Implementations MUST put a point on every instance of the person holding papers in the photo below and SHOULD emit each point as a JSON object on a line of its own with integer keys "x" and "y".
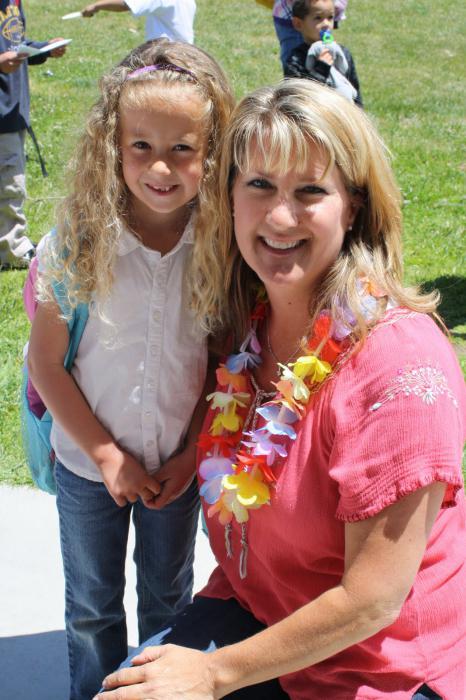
{"x": 16, "y": 250}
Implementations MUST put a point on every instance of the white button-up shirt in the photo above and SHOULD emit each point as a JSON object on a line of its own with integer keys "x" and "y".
{"x": 142, "y": 372}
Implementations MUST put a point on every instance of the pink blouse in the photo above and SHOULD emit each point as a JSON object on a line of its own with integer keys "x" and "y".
{"x": 390, "y": 422}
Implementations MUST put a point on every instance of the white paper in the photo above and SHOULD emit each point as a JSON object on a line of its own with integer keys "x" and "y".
{"x": 72, "y": 15}
{"x": 33, "y": 51}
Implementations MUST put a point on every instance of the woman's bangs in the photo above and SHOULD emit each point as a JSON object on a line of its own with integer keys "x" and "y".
{"x": 278, "y": 144}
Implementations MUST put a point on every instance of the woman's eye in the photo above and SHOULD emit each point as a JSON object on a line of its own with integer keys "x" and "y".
{"x": 259, "y": 183}
{"x": 312, "y": 189}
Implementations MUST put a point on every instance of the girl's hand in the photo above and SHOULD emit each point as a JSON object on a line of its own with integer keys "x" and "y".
{"x": 326, "y": 57}
{"x": 166, "y": 672}
{"x": 175, "y": 477}
{"x": 126, "y": 480}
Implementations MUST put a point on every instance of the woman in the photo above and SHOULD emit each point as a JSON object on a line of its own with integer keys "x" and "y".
{"x": 334, "y": 504}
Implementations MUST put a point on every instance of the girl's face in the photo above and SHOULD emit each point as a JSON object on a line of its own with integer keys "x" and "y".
{"x": 290, "y": 227}
{"x": 320, "y": 16}
{"x": 162, "y": 146}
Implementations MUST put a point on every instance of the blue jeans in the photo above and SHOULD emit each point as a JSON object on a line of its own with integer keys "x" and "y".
{"x": 425, "y": 693}
{"x": 289, "y": 39}
{"x": 94, "y": 534}
{"x": 210, "y": 623}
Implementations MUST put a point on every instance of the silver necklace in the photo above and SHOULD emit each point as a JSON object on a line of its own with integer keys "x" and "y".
{"x": 271, "y": 350}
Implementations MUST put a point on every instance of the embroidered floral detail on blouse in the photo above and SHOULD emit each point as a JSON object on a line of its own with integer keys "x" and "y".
{"x": 428, "y": 383}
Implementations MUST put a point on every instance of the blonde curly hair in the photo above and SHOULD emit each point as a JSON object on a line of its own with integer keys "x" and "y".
{"x": 83, "y": 250}
{"x": 282, "y": 121}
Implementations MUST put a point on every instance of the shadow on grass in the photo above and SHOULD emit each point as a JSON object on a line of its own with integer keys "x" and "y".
{"x": 34, "y": 666}
{"x": 453, "y": 303}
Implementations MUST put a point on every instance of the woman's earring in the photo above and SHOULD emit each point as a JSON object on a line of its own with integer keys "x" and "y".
{"x": 350, "y": 228}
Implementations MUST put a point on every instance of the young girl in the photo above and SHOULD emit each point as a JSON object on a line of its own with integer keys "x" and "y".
{"x": 121, "y": 419}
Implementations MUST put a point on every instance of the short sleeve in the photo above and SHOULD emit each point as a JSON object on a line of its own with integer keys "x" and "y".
{"x": 397, "y": 412}
{"x": 145, "y": 7}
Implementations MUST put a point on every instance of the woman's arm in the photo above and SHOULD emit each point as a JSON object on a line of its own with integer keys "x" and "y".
{"x": 383, "y": 555}
{"x": 124, "y": 477}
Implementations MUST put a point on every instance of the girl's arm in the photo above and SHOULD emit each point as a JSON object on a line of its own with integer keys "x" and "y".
{"x": 123, "y": 476}
{"x": 383, "y": 554}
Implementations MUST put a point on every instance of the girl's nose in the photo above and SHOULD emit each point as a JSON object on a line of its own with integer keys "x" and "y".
{"x": 160, "y": 166}
{"x": 282, "y": 216}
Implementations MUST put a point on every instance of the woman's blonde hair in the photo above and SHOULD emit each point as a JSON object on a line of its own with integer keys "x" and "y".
{"x": 282, "y": 121}
{"x": 89, "y": 218}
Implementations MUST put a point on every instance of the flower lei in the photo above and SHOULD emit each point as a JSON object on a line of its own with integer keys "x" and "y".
{"x": 238, "y": 471}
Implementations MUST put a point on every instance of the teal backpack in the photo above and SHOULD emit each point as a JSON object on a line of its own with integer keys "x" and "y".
{"x": 36, "y": 425}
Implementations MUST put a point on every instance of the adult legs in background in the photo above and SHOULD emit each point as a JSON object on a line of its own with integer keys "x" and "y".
{"x": 164, "y": 558}
{"x": 207, "y": 624}
{"x": 289, "y": 39}
{"x": 94, "y": 535}
{"x": 14, "y": 244}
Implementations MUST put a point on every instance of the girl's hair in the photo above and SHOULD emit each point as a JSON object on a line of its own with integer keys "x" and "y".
{"x": 282, "y": 122}
{"x": 89, "y": 218}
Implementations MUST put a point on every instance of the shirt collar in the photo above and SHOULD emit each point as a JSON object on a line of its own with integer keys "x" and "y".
{"x": 128, "y": 242}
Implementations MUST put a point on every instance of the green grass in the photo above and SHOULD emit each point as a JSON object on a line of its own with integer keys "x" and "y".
{"x": 411, "y": 66}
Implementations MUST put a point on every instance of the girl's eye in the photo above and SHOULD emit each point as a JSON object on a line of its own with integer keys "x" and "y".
{"x": 181, "y": 147}
{"x": 259, "y": 183}
{"x": 141, "y": 145}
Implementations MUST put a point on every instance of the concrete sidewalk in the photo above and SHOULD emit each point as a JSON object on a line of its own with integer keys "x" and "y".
{"x": 33, "y": 659}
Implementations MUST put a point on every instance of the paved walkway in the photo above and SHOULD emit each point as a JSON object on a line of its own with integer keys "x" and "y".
{"x": 33, "y": 663}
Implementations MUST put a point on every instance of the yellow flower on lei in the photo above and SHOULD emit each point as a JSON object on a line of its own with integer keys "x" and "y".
{"x": 285, "y": 388}
{"x": 300, "y": 391}
{"x": 310, "y": 366}
{"x": 226, "y": 420}
{"x": 250, "y": 489}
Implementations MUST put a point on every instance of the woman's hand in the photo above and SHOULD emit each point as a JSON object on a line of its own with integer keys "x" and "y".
{"x": 166, "y": 672}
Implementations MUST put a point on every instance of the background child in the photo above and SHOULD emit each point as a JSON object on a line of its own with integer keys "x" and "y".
{"x": 16, "y": 250}
{"x": 310, "y": 17}
{"x": 123, "y": 243}
{"x": 173, "y": 19}
{"x": 288, "y": 36}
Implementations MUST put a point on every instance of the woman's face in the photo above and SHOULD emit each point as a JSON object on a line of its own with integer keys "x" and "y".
{"x": 290, "y": 227}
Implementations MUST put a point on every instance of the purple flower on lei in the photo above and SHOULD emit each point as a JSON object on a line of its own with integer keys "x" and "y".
{"x": 261, "y": 444}
{"x": 212, "y": 470}
{"x": 241, "y": 361}
{"x": 278, "y": 417}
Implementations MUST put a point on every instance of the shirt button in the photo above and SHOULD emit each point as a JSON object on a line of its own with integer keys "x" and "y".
{"x": 153, "y": 350}
{"x": 150, "y": 443}
{"x": 156, "y": 315}
{"x": 151, "y": 385}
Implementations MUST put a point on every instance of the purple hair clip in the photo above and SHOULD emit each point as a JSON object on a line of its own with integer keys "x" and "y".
{"x": 160, "y": 66}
